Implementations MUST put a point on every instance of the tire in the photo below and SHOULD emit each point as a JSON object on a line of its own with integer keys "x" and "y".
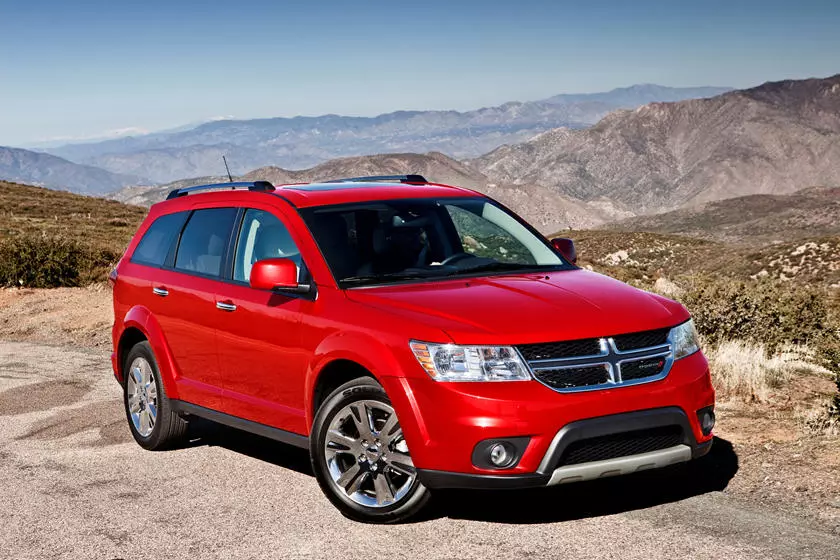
{"x": 371, "y": 482}
{"x": 154, "y": 427}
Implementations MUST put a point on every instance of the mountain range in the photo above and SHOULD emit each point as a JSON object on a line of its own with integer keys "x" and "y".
{"x": 773, "y": 139}
{"x": 547, "y": 211}
{"x": 301, "y": 142}
{"x": 46, "y": 170}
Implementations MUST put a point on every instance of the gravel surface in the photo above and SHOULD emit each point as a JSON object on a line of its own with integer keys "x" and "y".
{"x": 76, "y": 486}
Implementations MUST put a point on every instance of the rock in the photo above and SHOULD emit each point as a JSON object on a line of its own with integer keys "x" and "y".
{"x": 667, "y": 288}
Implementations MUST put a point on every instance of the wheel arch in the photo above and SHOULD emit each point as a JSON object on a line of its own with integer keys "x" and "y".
{"x": 139, "y": 324}
{"x": 342, "y": 357}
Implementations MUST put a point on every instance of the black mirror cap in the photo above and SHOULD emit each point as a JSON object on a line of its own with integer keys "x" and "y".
{"x": 566, "y": 248}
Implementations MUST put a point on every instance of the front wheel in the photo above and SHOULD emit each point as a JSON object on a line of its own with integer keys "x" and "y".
{"x": 360, "y": 457}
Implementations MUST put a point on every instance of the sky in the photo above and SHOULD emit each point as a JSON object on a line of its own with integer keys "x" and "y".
{"x": 75, "y": 69}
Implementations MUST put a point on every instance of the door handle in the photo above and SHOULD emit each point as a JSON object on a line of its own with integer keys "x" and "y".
{"x": 224, "y": 306}
{"x": 162, "y": 292}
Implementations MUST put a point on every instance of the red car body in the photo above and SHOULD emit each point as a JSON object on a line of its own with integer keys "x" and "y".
{"x": 264, "y": 363}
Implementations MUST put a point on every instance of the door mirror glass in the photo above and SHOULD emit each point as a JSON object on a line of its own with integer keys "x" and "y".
{"x": 565, "y": 247}
{"x": 278, "y": 275}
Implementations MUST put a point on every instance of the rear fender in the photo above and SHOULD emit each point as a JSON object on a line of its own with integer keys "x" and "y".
{"x": 141, "y": 318}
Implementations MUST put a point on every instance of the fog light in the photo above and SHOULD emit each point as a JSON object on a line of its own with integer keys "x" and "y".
{"x": 707, "y": 419}
{"x": 500, "y": 455}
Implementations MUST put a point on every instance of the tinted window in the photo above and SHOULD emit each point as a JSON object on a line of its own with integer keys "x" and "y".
{"x": 426, "y": 239}
{"x": 156, "y": 242}
{"x": 262, "y": 236}
{"x": 204, "y": 239}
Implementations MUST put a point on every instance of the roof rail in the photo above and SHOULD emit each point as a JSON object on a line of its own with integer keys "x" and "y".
{"x": 383, "y": 178}
{"x": 260, "y": 186}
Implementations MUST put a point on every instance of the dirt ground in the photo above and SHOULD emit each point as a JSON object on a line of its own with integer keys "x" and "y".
{"x": 780, "y": 464}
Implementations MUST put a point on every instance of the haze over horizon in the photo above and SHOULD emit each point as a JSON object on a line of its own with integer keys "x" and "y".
{"x": 84, "y": 69}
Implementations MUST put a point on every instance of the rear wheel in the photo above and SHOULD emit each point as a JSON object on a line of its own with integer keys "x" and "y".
{"x": 360, "y": 457}
{"x": 151, "y": 419}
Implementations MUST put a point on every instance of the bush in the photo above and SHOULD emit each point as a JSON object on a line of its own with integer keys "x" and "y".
{"x": 51, "y": 262}
{"x": 768, "y": 313}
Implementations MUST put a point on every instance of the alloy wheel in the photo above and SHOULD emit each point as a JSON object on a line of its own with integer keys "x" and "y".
{"x": 367, "y": 456}
{"x": 142, "y": 396}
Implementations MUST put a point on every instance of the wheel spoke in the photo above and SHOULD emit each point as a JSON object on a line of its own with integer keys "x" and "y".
{"x": 134, "y": 404}
{"x": 384, "y": 494}
{"x": 144, "y": 422}
{"x": 390, "y": 425}
{"x": 152, "y": 413}
{"x": 362, "y": 419}
{"x": 336, "y": 438}
{"x": 137, "y": 375}
{"x": 401, "y": 462}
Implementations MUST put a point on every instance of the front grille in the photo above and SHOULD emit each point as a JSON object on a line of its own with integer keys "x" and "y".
{"x": 566, "y": 349}
{"x": 634, "y": 341}
{"x": 574, "y": 377}
{"x": 624, "y": 444}
{"x": 575, "y": 365}
{"x": 642, "y": 368}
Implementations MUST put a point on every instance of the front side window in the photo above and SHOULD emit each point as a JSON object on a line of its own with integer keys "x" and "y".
{"x": 154, "y": 247}
{"x": 409, "y": 240}
{"x": 262, "y": 236}
{"x": 203, "y": 241}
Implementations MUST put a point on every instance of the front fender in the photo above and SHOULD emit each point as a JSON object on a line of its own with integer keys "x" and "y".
{"x": 371, "y": 353}
{"x": 140, "y": 318}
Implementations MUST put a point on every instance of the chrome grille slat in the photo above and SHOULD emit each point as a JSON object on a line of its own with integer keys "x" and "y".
{"x": 565, "y": 373}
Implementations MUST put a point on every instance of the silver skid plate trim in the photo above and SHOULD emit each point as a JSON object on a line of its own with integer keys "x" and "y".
{"x": 621, "y": 465}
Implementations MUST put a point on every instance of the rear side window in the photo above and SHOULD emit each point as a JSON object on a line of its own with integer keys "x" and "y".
{"x": 203, "y": 242}
{"x": 157, "y": 241}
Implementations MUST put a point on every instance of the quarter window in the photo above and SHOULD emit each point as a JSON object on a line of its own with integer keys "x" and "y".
{"x": 203, "y": 242}
{"x": 262, "y": 236}
{"x": 157, "y": 240}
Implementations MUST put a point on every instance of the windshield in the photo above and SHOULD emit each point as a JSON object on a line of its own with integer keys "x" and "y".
{"x": 409, "y": 240}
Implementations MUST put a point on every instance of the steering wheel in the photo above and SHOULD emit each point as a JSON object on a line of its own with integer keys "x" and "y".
{"x": 457, "y": 257}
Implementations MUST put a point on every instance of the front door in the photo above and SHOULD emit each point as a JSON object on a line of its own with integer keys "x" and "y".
{"x": 263, "y": 368}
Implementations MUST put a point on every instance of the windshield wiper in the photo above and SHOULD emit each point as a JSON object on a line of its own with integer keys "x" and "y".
{"x": 499, "y": 267}
{"x": 402, "y": 275}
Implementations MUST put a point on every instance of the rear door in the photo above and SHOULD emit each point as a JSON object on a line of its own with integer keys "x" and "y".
{"x": 185, "y": 307}
{"x": 262, "y": 365}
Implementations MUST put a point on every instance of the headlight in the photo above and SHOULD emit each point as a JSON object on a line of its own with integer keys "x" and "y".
{"x": 450, "y": 362}
{"x": 684, "y": 340}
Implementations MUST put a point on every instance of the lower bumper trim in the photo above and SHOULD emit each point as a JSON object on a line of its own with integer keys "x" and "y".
{"x": 444, "y": 479}
{"x": 621, "y": 465}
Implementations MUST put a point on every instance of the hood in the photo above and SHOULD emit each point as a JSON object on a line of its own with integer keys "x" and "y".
{"x": 525, "y": 308}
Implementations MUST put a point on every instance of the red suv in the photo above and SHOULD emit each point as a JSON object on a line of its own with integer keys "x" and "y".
{"x": 411, "y": 335}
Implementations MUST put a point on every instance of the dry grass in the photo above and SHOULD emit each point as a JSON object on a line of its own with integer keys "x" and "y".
{"x": 745, "y": 370}
{"x": 819, "y": 419}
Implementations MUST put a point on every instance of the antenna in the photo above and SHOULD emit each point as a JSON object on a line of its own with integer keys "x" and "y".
{"x": 224, "y": 159}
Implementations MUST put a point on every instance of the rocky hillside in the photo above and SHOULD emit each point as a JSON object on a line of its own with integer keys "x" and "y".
{"x": 547, "y": 211}
{"x": 301, "y": 142}
{"x": 752, "y": 219}
{"x": 773, "y": 139}
{"x": 46, "y": 170}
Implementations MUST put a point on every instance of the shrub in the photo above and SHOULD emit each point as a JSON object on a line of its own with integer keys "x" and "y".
{"x": 50, "y": 262}
{"x": 770, "y": 313}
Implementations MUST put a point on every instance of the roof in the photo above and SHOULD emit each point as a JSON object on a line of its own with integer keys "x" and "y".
{"x": 323, "y": 194}
{"x": 305, "y": 195}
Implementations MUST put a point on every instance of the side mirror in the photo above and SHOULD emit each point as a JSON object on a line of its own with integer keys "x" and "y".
{"x": 565, "y": 247}
{"x": 277, "y": 275}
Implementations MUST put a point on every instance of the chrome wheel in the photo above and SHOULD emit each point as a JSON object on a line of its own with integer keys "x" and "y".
{"x": 142, "y": 396}
{"x": 367, "y": 456}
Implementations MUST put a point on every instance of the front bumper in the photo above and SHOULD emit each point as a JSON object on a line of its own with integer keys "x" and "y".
{"x": 551, "y": 472}
{"x": 443, "y": 423}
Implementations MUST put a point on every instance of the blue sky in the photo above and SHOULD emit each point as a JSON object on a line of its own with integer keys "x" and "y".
{"x": 82, "y": 68}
